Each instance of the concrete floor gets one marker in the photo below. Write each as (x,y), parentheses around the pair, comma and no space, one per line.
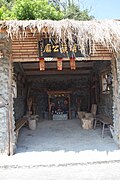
(66,135)
(62,142)
(102,171)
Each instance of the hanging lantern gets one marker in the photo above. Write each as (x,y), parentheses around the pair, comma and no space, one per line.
(72,63)
(59,64)
(42,64)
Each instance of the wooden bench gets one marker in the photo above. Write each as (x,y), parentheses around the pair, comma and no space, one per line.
(104,120)
(19,123)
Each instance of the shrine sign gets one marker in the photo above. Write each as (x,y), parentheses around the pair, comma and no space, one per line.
(49,48)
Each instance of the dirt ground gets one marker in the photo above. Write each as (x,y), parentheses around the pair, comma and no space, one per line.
(61,142)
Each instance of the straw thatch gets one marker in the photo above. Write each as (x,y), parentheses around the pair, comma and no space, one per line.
(104,32)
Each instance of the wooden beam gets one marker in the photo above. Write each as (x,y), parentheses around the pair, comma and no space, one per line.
(50,65)
(24,52)
(34,53)
(37,69)
(100,55)
(35,59)
(26,43)
(23,48)
(20,55)
(55,72)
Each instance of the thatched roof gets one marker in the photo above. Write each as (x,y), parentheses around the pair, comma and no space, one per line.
(104,32)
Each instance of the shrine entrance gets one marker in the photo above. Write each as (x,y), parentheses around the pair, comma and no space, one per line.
(58,77)
(51,70)
(59,105)
(57,94)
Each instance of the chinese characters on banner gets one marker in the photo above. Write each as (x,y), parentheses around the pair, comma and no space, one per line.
(49,48)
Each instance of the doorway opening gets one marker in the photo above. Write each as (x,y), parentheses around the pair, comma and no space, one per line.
(59,95)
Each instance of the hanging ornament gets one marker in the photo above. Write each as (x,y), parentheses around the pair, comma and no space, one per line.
(59,64)
(72,63)
(41,64)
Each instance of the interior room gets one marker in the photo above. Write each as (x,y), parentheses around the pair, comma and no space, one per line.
(90,83)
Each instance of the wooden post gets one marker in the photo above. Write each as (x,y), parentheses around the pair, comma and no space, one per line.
(10,113)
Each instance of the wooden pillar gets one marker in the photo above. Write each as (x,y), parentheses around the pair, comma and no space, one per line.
(10,111)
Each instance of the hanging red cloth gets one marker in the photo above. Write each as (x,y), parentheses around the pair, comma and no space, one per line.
(41,64)
(59,64)
(72,63)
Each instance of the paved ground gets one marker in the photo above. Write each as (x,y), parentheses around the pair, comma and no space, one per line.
(102,171)
(56,143)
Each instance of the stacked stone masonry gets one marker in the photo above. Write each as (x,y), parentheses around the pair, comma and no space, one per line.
(5,90)
(4,110)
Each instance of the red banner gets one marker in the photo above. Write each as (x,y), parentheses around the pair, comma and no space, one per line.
(59,64)
(72,63)
(42,64)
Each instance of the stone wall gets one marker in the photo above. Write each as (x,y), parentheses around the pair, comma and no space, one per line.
(20,99)
(116,100)
(7,123)
(19,107)
(4,96)
(105,103)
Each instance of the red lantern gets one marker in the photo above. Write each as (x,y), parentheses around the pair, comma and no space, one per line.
(72,63)
(42,64)
(59,64)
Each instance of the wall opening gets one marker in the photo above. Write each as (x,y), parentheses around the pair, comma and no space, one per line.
(85,84)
